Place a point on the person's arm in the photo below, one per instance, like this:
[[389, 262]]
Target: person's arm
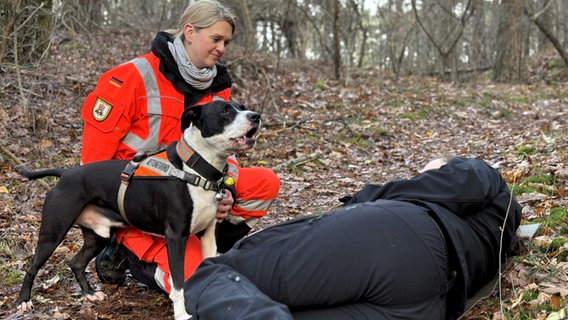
[[107, 115], [463, 186]]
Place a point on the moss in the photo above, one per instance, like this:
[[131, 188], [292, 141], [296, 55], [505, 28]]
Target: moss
[[529, 295], [546, 179], [557, 220], [319, 85], [556, 244], [543, 183], [12, 277], [521, 189], [381, 132], [523, 150]]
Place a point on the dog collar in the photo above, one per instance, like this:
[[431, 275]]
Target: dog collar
[[194, 160]]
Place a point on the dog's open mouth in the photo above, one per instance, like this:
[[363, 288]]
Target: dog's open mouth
[[248, 139]]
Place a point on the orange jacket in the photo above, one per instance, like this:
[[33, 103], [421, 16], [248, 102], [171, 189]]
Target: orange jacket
[[133, 108]]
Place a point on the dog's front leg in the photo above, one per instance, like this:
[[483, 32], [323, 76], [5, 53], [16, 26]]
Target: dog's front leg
[[176, 255], [208, 242]]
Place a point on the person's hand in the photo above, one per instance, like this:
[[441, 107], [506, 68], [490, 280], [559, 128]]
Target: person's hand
[[224, 206]]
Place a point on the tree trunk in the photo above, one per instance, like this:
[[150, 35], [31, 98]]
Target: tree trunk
[[545, 20], [544, 28], [509, 49], [249, 41], [336, 47]]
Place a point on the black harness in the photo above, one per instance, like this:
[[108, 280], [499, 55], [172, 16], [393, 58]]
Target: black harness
[[168, 163]]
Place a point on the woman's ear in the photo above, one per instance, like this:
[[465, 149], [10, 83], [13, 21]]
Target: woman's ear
[[188, 32]]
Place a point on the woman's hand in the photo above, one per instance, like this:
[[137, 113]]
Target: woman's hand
[[224, 206]]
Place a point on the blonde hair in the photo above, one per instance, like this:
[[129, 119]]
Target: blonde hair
[[202, 14]]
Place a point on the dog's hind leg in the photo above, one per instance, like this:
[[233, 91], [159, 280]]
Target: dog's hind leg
[[43, 252], [92, 245], [51, 234]]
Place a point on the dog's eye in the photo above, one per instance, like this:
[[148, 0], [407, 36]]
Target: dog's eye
[[226, 111]]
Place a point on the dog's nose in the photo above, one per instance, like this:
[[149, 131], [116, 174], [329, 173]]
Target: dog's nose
[[254, 117]]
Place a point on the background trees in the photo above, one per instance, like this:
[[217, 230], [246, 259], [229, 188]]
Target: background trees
[[452, 39]]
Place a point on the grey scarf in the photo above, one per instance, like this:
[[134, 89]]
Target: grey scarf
[[198, 78]]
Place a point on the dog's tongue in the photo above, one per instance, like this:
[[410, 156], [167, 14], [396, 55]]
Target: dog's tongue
[[244, 141]]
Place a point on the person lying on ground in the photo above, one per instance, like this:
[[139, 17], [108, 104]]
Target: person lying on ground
[[413, 248]]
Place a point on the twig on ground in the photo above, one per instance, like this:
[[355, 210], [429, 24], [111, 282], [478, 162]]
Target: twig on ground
[[295, 161], [20, 163]]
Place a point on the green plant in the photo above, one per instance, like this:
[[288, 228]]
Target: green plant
[[529, 295], [13, 277], [546, 179], [557, 219], [523, 150], [543, 183], [521, 189], [380, 132], [319, 85]]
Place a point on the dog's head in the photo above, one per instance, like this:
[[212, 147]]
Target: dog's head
[[223, 124]]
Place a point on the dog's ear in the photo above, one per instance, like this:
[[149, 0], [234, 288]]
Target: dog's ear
[[189, 115]]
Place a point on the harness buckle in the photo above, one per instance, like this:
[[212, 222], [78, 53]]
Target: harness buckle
[[139, 156], [127, 173]]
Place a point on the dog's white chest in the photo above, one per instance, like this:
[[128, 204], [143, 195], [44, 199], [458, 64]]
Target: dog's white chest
[[204, 208]]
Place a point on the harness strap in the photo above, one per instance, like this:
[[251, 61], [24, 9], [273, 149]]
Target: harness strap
[[194, 160], [125, 178], [161, 167], [166, 168]]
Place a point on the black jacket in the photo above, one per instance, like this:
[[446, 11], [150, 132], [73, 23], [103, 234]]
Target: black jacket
[[471, 202]]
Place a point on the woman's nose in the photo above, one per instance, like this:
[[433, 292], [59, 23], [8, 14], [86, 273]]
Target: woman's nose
[[221, 48]]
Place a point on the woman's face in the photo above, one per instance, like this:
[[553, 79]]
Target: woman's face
[[206, 46]]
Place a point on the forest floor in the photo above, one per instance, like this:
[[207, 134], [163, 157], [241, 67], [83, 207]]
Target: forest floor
[[324, 138]]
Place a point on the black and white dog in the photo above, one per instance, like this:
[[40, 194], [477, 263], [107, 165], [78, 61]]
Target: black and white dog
[[91, 197]]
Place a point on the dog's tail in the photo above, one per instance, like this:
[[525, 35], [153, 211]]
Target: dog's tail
[[24, 171]]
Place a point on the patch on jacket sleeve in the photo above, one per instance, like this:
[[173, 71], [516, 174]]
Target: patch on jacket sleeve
[[101, 110], [116, 82]]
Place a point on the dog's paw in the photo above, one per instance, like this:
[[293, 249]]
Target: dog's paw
[[182, 316], [26, 306], [97, 296]]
